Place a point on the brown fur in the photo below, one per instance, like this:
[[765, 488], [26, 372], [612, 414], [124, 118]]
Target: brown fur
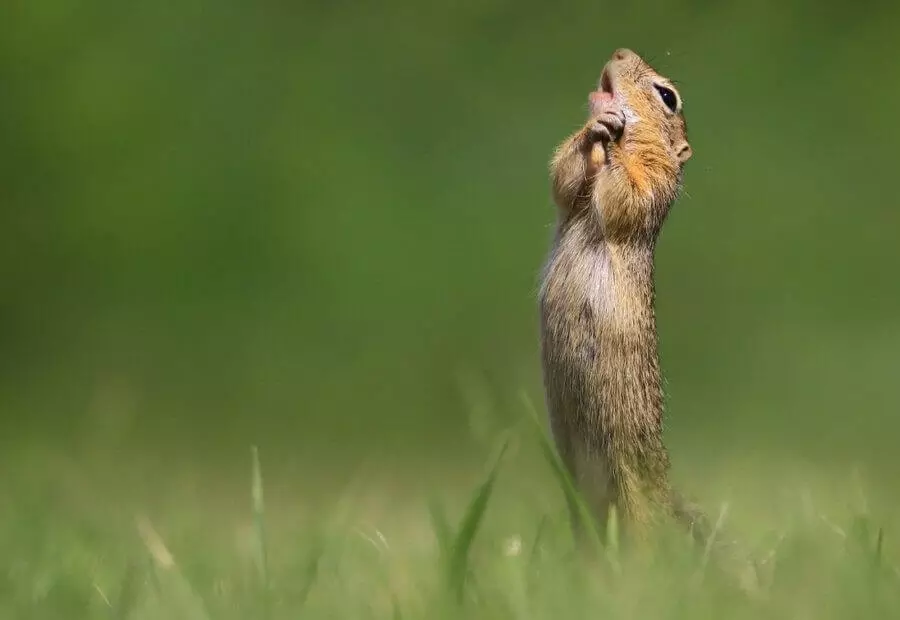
[[599, 342]]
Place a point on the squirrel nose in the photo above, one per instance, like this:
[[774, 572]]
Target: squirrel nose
[[622, 54]]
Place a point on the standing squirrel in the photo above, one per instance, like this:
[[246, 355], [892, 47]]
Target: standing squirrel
[[614, 182]]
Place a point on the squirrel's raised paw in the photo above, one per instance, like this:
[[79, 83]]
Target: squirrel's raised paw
[[607, 127]]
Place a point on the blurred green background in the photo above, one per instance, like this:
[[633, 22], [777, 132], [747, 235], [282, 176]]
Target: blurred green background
[[318, 226]]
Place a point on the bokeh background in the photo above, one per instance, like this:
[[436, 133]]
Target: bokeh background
[[318, 226]]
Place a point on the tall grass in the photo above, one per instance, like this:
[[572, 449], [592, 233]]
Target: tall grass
[[474, 566]]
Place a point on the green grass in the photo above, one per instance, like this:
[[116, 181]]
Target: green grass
[[498, 546]]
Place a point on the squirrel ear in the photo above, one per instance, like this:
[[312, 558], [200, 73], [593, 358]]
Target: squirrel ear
[[683, 152]]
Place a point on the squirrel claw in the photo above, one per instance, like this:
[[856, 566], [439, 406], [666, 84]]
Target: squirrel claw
[[607, 126]]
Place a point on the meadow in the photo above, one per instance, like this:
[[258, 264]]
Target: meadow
[[487, 542], [268, 314]]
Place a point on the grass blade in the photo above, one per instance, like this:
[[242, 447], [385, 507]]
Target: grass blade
[[879, 547], [534, 555], [612, 537], [172, 588], [310, 573], [579, 513], [395, 607], [711, 540], [128, 593], [462, 542], [442, 530], [256, 492]]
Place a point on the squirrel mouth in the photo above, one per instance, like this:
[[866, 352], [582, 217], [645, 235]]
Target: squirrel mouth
[[606, 85]]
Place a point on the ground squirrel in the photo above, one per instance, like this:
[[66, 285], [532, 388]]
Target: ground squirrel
[[614, 182]]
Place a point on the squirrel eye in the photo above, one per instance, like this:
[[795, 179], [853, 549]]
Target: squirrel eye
[[668, 96]]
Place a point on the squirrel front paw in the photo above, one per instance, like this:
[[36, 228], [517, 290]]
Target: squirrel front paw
[[607, 127]]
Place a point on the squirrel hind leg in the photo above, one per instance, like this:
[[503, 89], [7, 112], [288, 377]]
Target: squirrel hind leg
[[593, 480], [691, 516]]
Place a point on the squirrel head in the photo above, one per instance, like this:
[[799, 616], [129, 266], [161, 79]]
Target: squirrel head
[[640, 168]]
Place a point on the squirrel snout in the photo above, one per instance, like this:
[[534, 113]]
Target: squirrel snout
[[623, 53]]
